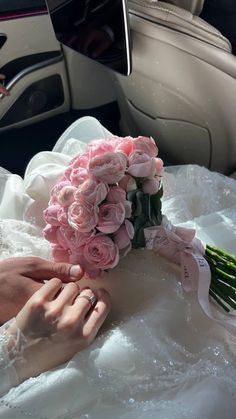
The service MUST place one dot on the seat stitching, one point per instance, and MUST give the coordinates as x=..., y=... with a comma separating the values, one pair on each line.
x=170, y=12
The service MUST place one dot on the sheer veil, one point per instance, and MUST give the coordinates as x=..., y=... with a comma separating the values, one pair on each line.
x=158, y=355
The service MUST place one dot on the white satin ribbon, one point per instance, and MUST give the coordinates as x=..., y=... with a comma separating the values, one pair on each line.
x=179, y=245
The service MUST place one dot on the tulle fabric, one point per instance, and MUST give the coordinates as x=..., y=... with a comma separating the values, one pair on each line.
x=158, y=356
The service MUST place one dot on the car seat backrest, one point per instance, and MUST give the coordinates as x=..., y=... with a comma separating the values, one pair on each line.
x=193, y=6
x=182, y=88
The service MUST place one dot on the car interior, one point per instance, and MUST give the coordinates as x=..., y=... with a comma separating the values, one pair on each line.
x=165, y=73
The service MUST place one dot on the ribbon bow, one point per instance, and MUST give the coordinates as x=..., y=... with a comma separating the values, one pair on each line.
x=180, y=246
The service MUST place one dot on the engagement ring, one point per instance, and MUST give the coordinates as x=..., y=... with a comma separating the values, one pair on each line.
x=92, y=299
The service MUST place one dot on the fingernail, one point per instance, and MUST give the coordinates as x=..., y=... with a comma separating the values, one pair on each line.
x=75, y=272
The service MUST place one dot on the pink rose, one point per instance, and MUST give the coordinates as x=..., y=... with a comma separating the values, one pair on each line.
x=82, y=238
x=51, y=214
x=100, y=147
x=81, y=160
x=141, y=165
x=101, y=252
x=59, y=254
x=130, y=229
x=123, y=236
x=66, y=237
x=126, y=250
x=116, y=195
x=57, y=189
x=146, y=145
x=62, y=216
x=109, y=167
x=159, y=166
x=66, y=195
x=111, y=216
x=76, y=258
x=67, y=174
x=83, y=216
x=78, y=175
x=78, y=162
x=151, y=186
x=125, y=145
x=92, y=190
x=128, y=209
x=128, y=183
x=50, y=233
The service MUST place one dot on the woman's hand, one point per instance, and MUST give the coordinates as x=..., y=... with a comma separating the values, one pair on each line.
x=58, y=322
x=3, y=90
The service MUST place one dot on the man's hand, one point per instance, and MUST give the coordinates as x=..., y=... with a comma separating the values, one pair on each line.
x=3, y=91
x=21, y=277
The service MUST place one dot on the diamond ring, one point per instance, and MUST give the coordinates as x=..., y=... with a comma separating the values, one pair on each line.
x=92, y=299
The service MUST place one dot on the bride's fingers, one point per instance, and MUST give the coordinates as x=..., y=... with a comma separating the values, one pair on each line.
x=48, y=291
x=84, y=302
x=67, y=295
x=97, y=315
x=74, y=315
x=56, y=307
x=32, y=319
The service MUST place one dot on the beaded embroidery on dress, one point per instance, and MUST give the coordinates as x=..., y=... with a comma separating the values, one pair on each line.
x=158, y=355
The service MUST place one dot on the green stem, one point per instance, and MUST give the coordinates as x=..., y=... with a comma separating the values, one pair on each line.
x=224, y=275
x=219, y=259
x=224, y=285
x=219, y=291
x=223, y=268
x=223, y=281
x=218, y=301
x=222, y=253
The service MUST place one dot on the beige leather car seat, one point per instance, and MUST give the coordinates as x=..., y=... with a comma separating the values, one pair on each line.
x=193, y=6
x=182, y=90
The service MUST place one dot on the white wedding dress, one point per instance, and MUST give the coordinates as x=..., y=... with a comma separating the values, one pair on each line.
x=158, y=356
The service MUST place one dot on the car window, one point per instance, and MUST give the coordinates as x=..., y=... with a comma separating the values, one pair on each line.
x=7, y=6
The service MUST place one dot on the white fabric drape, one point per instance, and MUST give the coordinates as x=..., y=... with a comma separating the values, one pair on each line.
x=158, y=355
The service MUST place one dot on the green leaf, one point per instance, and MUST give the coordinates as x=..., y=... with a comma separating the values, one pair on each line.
x=139, y=239
x=139, y=223
x=156, y=202
x=131, y=196
x=156, y=207
x=138, y=204
x=146, y=205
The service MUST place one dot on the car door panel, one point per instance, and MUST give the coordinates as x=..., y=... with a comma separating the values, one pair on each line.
x=3, y=39
x=32, y=60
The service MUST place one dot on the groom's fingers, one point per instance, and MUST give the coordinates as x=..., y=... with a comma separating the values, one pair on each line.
x=41, y=270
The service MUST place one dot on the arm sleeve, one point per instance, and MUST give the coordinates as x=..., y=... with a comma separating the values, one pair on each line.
x=12, y=344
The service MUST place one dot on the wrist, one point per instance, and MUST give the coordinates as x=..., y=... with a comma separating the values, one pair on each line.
x=19, y=353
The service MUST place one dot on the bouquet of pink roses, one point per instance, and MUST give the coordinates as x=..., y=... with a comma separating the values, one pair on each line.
x=100, y=208
x=109, y=201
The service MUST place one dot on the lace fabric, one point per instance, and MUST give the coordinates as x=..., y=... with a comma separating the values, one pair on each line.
x=12, y=345
x=158, y=356
x=19, y=238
